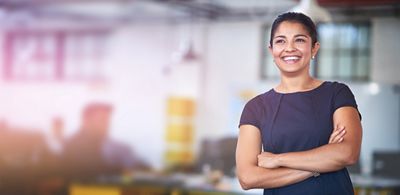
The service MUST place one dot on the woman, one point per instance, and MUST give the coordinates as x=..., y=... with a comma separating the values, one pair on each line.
x=309, y=129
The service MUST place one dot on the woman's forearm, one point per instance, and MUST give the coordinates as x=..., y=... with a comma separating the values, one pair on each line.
x=327, y=158
x=259, y=177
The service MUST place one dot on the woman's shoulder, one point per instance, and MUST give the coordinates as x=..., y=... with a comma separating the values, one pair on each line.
x=335, y=84
x=261, y=98
x=336, y=91
x=255, y=100
x=255, y=110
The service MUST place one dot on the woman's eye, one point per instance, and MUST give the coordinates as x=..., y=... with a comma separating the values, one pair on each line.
x=300, y=40
x=279, y=41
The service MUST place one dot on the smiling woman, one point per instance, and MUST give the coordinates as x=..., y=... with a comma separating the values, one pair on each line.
x=309, y=129
x=290, y=43
x=291, y=48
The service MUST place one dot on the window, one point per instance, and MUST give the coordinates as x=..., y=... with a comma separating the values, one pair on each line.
x=344, y=53
x=35, y=55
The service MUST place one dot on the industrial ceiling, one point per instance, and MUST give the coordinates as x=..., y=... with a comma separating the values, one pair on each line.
x=122, y=11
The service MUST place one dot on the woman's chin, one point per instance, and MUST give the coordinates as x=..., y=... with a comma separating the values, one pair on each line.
x=292, y=70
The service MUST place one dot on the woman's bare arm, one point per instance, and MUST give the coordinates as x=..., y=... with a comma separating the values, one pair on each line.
x=250, y=174
x=327, y=158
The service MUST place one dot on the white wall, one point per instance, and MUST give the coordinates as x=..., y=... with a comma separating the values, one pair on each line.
x=385, y=65
x=233, y=57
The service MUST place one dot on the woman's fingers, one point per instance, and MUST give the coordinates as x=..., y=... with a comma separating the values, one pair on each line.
x=334, y=134
x=337, y=135
x=339, y=128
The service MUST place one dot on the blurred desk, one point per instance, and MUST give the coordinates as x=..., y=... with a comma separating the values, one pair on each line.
x=371, y=185
x=99, y=189
x=195, y=185
x=163, y=185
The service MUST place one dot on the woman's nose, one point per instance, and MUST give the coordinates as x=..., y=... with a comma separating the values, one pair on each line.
x=290, y=47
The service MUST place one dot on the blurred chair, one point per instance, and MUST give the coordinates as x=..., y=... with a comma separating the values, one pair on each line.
x=218, y=155
x=386, y=164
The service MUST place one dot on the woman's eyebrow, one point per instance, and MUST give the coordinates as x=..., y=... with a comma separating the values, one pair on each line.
x=280, y=36
x=284, y=37
x=301, y=35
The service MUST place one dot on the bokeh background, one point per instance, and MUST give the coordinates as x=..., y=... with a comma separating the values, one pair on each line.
x=144, y=96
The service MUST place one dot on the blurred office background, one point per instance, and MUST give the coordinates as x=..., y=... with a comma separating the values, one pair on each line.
x=144, y=96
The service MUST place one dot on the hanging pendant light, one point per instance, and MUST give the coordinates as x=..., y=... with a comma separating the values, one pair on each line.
x=186, y=53
x=189, y=54
x=313, y=10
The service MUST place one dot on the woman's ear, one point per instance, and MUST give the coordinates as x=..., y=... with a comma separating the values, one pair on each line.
x=270, y=49
x=314, y=50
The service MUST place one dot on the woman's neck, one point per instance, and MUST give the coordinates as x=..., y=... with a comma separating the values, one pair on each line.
x=296, y=84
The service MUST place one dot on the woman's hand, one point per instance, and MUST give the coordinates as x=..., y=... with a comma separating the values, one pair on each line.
x=268, y=160
x=337, y=135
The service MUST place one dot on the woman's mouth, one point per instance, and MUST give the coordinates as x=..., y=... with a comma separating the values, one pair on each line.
x=291, y=59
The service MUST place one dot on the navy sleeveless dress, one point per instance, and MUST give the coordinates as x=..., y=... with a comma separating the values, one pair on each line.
x=301, y=121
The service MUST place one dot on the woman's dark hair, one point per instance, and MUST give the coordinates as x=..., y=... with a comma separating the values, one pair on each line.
x=298, y=18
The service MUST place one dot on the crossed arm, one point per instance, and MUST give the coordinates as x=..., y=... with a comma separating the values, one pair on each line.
x=267, y=170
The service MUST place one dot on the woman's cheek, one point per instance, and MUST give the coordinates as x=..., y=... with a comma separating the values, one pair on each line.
x=277, y=52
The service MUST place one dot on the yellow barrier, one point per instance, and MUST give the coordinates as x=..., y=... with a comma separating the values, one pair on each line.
x=94, y=190
x=180, y=106
x=179, y=131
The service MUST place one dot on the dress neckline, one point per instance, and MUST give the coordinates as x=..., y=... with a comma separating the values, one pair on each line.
x=300, y=92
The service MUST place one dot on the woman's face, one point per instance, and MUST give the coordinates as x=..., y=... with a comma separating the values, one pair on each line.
x=292, y=47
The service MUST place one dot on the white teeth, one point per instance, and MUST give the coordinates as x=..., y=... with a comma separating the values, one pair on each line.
x=291, y=58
